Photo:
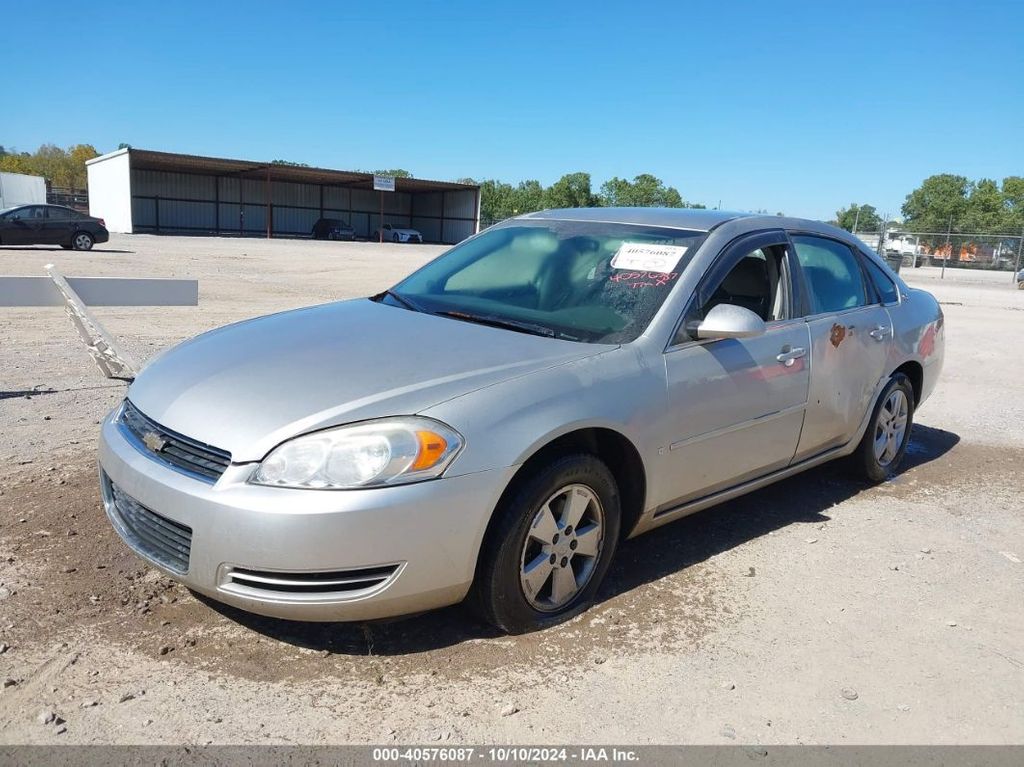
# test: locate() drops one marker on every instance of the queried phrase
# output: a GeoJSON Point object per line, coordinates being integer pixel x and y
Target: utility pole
{"type": "Point", "coordinates": [881, 236]}
{"type": "Point", "coordinates": [1020, 247]}
{"type": "Point", "coordinates": [856, 220]}
{"type": "Point", "coordinates": [945, 259]}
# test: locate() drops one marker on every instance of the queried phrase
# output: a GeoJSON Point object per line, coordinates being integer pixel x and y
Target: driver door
{"type": "Point", "coordinates": [24, 226]}
{"type": "Point", "coordinates": [736, 405]}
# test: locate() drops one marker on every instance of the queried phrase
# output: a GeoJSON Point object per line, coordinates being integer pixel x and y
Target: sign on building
{"type": "Point", "coordinates": [383, 183]}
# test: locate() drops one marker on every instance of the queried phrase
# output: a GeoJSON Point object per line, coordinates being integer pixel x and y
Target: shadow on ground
{"type": "Point", "coordinates": [804, 498]}
{"type": "Point", "coordinates": [57, 248]}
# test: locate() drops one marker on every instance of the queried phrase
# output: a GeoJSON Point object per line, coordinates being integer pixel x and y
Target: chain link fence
{"type": "Point", "coordinates": [951, 249]}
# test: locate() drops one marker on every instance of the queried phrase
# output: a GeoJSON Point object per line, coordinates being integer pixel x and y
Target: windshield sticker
{"type": "Point", "coordinates": [648, 257]}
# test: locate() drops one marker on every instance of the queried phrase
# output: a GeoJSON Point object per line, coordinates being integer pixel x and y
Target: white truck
{"type": "Point", "coordinates": [19, 189]}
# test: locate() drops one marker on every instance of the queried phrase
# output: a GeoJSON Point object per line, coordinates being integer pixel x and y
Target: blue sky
{"type": "Point", "coordinates": [798, 107]}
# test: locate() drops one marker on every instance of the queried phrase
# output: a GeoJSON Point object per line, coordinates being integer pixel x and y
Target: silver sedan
{"type": "Point", "coordinates": [493, 426]}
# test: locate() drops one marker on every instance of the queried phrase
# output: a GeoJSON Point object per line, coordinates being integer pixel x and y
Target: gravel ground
{"type": "Point", "coordinates": [818, 610]}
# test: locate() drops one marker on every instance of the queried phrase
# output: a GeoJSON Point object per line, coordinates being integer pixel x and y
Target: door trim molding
{"type": "Point", "coordinates": [766, 418]}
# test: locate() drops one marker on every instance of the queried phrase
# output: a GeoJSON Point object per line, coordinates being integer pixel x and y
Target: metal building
{"type": "Point", "coordinates": [138, 190]}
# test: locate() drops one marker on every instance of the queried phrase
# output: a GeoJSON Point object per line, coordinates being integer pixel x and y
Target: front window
{"type": "Point", "coordinates": [582, 281]}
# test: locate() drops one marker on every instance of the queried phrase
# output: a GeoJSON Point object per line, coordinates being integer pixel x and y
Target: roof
{"type": "Point", "coordinates": [147, 159]}
{"type": "Point", "coordinates": [695, 219]}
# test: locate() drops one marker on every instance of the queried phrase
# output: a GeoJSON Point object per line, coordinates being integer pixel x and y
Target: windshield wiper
{"type": "Point", "coordinates": [502, 322]}
{"type": "Point", "coordinates": [407, 303]}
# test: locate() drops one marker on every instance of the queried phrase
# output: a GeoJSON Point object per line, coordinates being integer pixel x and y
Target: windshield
{"type": "Point", "coordinates": [583, 281]}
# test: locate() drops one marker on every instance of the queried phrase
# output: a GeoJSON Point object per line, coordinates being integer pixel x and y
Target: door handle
{"type": "Point", "coordinates": [880, 333]}
{"type": "Point", "coordinates": [789, 356]}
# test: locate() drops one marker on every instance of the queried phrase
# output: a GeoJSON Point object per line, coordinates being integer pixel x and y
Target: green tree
{"type": "Point", "coordinates": [290, 163]}
{"type": "Point", "coordinates": [496, 203]}
{"type": "Point", "coordinates": [397, 173]}
{"type": "Point", "coordinates": [527, 197]}
{"type": "Point", "coordinates": [570, 191]}
{"type": "Point", "coordinates": [987, 211]}
{"type": "Point", "coordinates": [865, 217]}
{"type": "Point", "coordinates": [644, 191]}
{"type": "Point", "coordinates": [939, 199]}
{"type": "Point", "coordinates": [1013, 195]}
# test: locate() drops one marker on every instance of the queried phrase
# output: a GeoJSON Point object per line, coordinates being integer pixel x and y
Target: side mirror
{"type": "Point", "coordinates": [731, 321]}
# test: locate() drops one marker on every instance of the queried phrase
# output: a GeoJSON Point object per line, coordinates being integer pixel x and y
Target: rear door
{"type": "Point", "coordinates": [59, 224]}
{"type": "Point", "coordinates": [735, 406]}
{"type": "Point", "coordinates": [850, 335]}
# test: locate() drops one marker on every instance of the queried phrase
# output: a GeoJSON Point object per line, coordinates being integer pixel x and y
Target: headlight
{"type": "Point", "coordinates": [392, 451]}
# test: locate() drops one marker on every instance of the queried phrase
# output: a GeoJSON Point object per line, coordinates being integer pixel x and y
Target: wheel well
{"type": "Point", "coordinates": [915, 373]}
{"type": "Point", "coordinates": [617, 453]}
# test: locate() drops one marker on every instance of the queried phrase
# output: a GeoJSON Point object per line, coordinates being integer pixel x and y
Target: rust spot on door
{"type": "Point", "coordinates": [837, 335]}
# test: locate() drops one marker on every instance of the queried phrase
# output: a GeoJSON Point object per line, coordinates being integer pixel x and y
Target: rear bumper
{"type": "Point", "coordinates": [423, 539]}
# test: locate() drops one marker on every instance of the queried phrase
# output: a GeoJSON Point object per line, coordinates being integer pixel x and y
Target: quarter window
{"type": "Point", "coordinates": [885, 287]}
{"type": "Point", "coordinates": [833, 274]}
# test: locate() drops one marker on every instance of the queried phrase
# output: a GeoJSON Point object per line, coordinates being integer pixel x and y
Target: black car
{"type": "Point", "coordinates": [333, 229]}
{"type": "Point", "coordinates": [51, 225]}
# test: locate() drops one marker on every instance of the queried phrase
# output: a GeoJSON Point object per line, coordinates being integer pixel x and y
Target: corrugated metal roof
{"type": "Point", "coordinates": [147, 159]}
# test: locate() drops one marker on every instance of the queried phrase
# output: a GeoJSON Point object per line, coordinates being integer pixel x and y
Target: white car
{"type": "Point", "coordinates": [394, 234]}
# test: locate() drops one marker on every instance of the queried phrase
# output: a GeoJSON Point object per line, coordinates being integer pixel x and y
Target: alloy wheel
{"type": "Point", "coordinates": [562, 548]}
{"type": "Point", "coordinates": [891, 427]}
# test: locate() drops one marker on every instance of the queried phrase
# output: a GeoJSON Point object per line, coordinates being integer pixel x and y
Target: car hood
{"type": "Point", "coordinates": [247, 387]}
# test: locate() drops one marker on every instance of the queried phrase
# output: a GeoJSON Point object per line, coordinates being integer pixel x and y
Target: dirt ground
{"type": "Point", "coordinates": [818, 610]}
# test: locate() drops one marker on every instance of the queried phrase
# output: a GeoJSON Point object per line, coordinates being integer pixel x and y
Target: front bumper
{"type": "Point", "coordinates": [424, 537]}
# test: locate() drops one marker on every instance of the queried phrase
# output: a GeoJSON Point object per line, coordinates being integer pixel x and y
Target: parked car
{"type": "Point", "coordinates": [494, 425]}
{"type": "Point", "coordinates": [51, 225]}
{"type": "Point", "coordinates": [394, 234]}
{"type": "Point", "coordinates": [332, 229]}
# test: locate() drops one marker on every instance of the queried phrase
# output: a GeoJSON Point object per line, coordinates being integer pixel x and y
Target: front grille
{"type": "Point", "coordinates": [176, 450]}
{"type": "Point", "coordinates": [343, 583]}
{"type": "Point", "coordinates": [162, 540]}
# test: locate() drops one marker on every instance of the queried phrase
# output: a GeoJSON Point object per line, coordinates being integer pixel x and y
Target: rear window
{"type": "Point", "coordinates": [833, 274]}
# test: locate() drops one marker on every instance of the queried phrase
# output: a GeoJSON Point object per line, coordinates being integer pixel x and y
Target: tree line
{"type": "Point", "coordinates": [500, 200]}
{"type": "Point", "coordinates": [943, 202]}
{"type": "Point", "coordinates": [61, 167]}
{"type": "Point", "coordinates": [950, 203]}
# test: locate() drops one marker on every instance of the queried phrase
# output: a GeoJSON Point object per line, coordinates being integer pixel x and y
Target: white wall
{"type": "Point", "coordinates": [20, 189]}
{"type": "Point", "coordinates": [110, 190]}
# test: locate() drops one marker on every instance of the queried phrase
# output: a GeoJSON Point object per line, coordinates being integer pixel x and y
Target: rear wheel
{"type": "Point", "coordinates": [885, 442]}
{"type": "Point", "coordinates": [394, 237]}
{"type": "Point", "coordinates": [550, 546]}
{"type": "Point", "coordinates": [82, 241]}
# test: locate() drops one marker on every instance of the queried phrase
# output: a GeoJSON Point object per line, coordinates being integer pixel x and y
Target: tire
{"type": "Point", "coordinates": [530, 527]}
{"type": "Point", "coordinates": [82, 241]}
{"type": "Point", "coordinates": [394, 238]}
{"type": "Point", "coordinates": [1020, 285]}
{"type": "Point", "coordinates": [878, 456]}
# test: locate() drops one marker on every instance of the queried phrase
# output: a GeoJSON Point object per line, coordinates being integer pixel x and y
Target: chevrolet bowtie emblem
{"type": "Point", "coordinates": [154, 441]}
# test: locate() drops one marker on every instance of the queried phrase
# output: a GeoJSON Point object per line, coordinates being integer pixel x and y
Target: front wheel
{"type": "Point", "coordinates": [394, 238]}
{"type": "Point", "coordinates": [885, 442]}
{"type": "Point", "coordinates": [82, 241]}
{"type": "Point", "coordinates": [550, 546]}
